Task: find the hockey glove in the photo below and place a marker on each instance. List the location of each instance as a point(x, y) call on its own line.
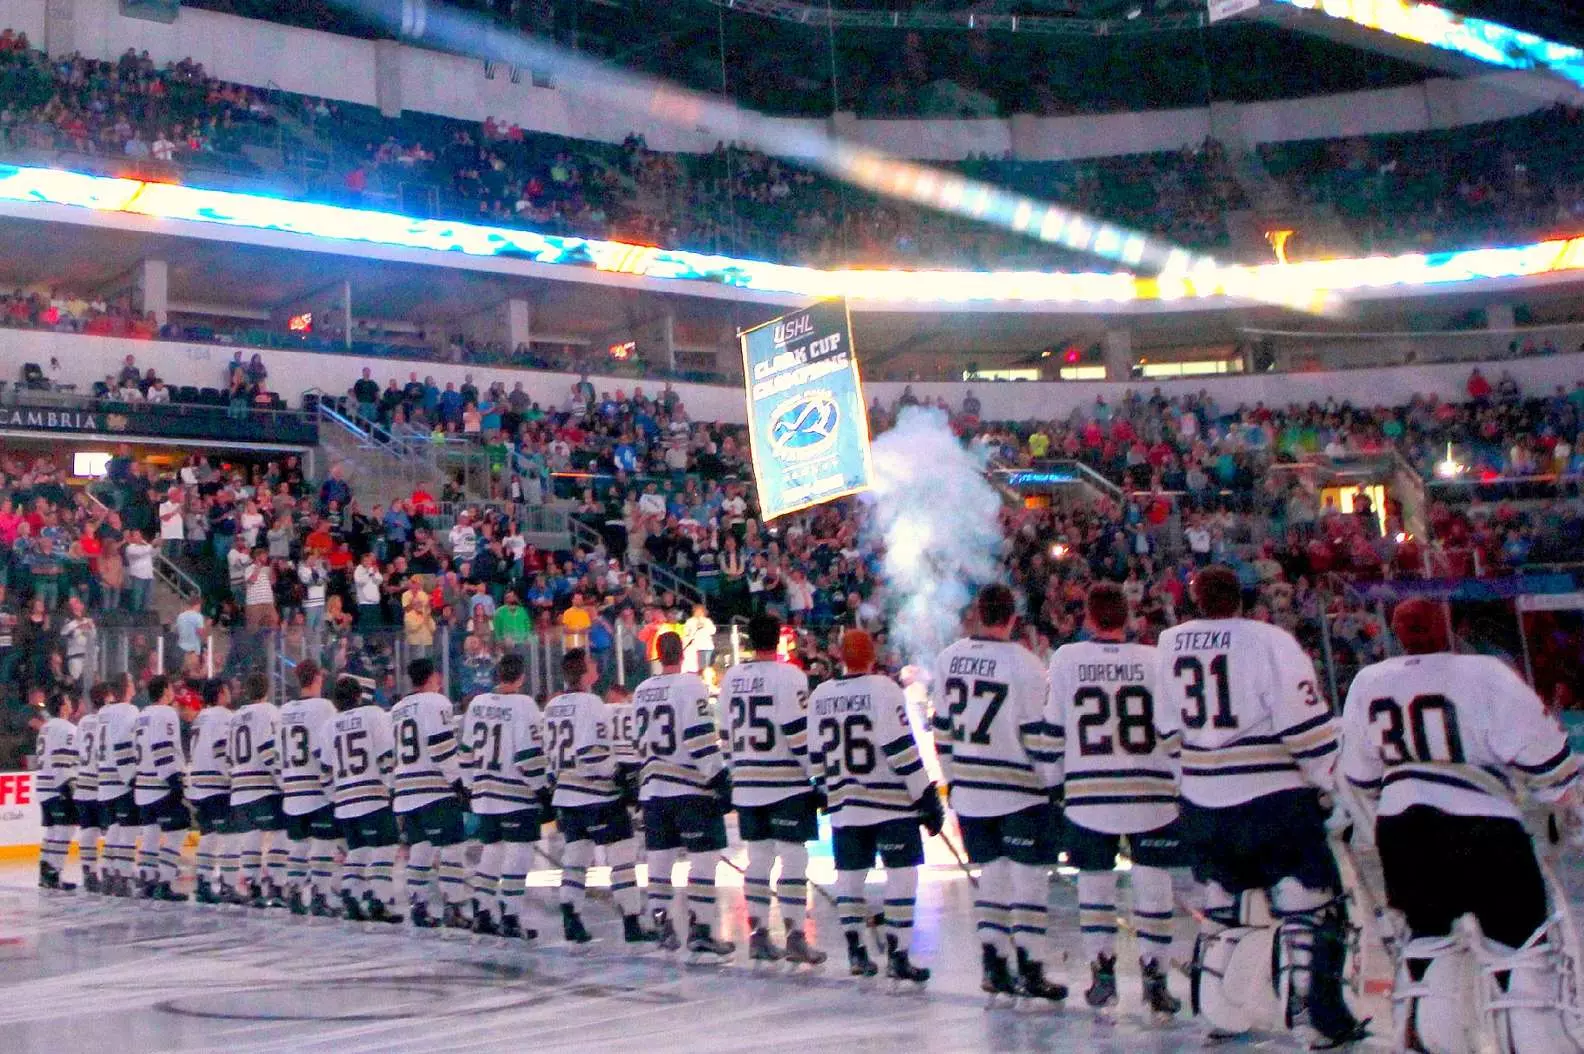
point(627, 784)
point(460, 789)
point(932, 815)
point(545, 796)
point(174, 782)
point(720, 786)
point(821, 800)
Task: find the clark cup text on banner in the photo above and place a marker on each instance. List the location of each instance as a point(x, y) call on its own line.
point(806, 415)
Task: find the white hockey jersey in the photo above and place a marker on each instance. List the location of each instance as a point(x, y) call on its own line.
point(254, 752)
point(580, 750)
point(502, 755)
point(209, 773)
point(766, 706)
point(862, 749)
point(1459, 733)
point(1119, 776)
point(117, 750)
point(86, 783)
point(675, 736)
point(427, 765)
point(996, 751)
point(358, 748)
point(157, 736)
point(624, 734)
point(303, 780)
point(1243, 696)
point(56, 757)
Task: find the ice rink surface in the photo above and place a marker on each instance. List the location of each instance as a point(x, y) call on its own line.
point(106, 976)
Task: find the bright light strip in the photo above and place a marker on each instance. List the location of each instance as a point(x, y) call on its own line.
point(1477, 38)
point(1316, 280)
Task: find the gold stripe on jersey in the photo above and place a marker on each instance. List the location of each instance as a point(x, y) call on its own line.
point(207, 781)
point(1312, 739)
point(1553, 773)
point(661, 770)
point(1016, 777)
point(771, 774)
point(1259, 755)
point(856, 793)
point(1447, 774)
point(1119, 788)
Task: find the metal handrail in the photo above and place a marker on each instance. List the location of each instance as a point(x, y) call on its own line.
point(165, 569)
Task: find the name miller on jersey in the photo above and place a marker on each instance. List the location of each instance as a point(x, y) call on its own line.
point(1203, 640)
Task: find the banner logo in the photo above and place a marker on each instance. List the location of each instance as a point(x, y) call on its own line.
point(804, 427)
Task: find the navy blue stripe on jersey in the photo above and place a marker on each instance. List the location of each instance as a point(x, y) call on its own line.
point(1114, 774)
point(1556, 761)
point(1239, 770)
point(1443, 778)
point(1126, 799)
point(1368, 785)
point(1304, 726)
point(1317, 752)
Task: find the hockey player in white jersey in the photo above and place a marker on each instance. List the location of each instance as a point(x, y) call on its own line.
point(777, 809)
point(86, 786)
point(581, 751)
point(256, 817)
point(1120, 783)
point(999, 758)
point(117, 809)
point(685, 793)
point(358, 750)
point(158, 791)
point(1259, 747)
point(56, 757)
point(209, 791)
point(429, 797)
point(503, 765)
point(310, 818)
point(1442, 745)
point(867, 764)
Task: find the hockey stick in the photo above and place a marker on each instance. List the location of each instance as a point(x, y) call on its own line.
point(603, 896)
point(957, 855)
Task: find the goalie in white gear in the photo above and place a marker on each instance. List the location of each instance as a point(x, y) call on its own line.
point(1120, 781)
point(1259, 747)
point(1443, 743)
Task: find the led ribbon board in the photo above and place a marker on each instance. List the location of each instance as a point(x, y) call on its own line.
point(807, 422)
point(1437, 27)
point(107, 194)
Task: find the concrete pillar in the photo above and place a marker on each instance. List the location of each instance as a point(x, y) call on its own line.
point(668, 338)
point(387, 77)
point(1500, 316)
point(519, 323)
point(1117, 346)
point(60, 27)
point(151, 288)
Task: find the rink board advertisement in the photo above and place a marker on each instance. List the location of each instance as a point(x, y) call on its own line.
point(807, 423)
point(20, 822)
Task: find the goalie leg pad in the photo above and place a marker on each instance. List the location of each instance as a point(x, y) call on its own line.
point(1433, 997)
point(1313, 957)
point(1521, 996)
point(1234, 979)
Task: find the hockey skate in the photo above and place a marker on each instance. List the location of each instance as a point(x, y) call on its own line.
point(997, 981)
point(203, 892)
point(255, 896)
point(669, 941)
point(273, 896)
point(703, 947)
point(633, 931)
point(1032, 983)
point(50, 878)
point(295, 902)
point(91, 883)
point(1157, 997)
point(146, 888)
point(858, 962)
point(760, 947)
point(800, 952)
point(320, 907)
point(511, 926)
point(351, 909)
point(572, 928)
point(484, 921)
point(376, 910)
point(455, 918)
point(900, 969)
point(163, 891)
point(419, 912)
point(1102, 990)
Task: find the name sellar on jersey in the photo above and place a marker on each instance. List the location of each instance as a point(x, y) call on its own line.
point(865, 757)
point(1459, 733)
point(1120, 776)
point(675, 736)
point(766, 706)
point(1243, 696)
point(996, 751)
point(304, 782)
point(427, 765)
point(156, 736)
point(579, 749)
point(502, 752)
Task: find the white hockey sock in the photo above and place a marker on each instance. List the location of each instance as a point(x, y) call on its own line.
point(1030, 899)
point(57, 843)
point(993, 904)
point(662, 865)
point(88, 848)
point(792, 885)
point(756, 880)
point(252, 851)
point(123, 850)
point(622, 857)
point(420, 872)
point(901, 894)
point(354, 880)
point(230, 859)
point(382, 872)
point(170, 856)
point(275, 860)
point(1152, 911)
point(148, 853)
point(487, 873)
point(297, 863)
point(515, 862)
point(453, 874)
point(1097, 912)
point(208, 857)
point(852, 908)
point(701, 886)
point(321, 865)
point(575, 860)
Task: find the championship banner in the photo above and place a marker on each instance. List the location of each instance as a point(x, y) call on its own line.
point(807, 422)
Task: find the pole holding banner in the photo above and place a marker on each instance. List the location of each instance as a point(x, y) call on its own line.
point(807, 423)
